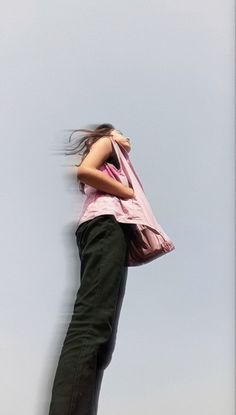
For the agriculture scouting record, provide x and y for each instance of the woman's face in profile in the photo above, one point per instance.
(121, 139)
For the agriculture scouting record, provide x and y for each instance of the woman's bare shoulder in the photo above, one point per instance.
(98, 153)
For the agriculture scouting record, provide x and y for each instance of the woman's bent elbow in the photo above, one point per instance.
(80, 172)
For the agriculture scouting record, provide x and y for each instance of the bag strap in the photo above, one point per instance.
(117, 151)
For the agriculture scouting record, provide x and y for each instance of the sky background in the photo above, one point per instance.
(163, 73)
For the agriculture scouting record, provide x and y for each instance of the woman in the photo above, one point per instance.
(116, 229)
(103, 246)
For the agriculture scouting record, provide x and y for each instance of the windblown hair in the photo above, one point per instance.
(84, 143)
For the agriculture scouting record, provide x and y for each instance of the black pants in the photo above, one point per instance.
(91, 335)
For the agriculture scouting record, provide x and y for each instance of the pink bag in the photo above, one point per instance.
(147, 239)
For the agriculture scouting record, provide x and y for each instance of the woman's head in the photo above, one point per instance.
(92, 135)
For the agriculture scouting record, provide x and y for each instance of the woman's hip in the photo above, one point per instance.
(102, 235)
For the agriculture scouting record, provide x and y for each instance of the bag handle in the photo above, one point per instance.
(116, 147)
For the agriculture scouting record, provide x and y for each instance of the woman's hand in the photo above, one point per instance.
(130, 192)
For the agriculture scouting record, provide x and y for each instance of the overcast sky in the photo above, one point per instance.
(163, 73)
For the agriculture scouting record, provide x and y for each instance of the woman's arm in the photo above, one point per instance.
(88, 172)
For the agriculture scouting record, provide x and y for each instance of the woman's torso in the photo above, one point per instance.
(98, 202)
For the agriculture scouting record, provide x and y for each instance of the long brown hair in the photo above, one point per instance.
(84, 143)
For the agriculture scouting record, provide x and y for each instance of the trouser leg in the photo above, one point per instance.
(107, 349)
(89, 341)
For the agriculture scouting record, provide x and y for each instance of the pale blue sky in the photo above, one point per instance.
(163, 73)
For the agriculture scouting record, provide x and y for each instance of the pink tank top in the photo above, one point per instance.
(148, 239)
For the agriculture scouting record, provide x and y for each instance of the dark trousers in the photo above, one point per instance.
(91, 335)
